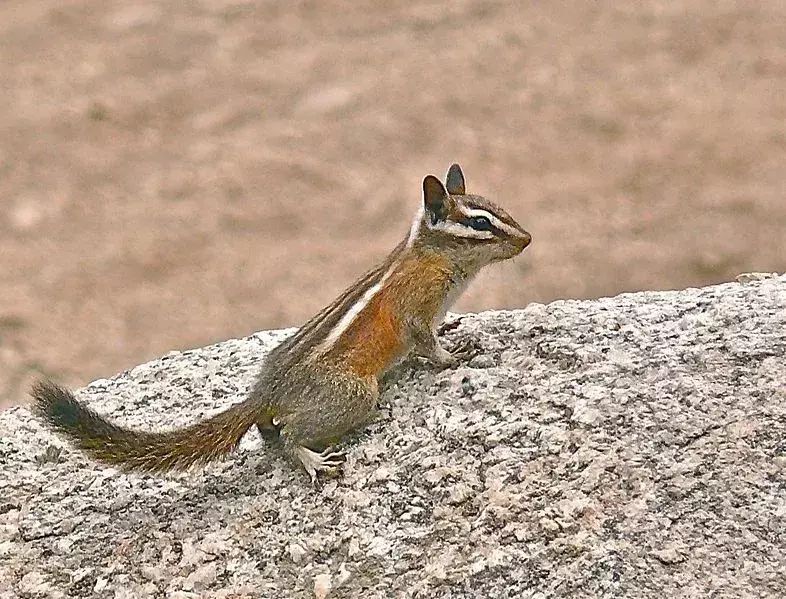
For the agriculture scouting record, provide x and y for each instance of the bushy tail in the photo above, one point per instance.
(153, 452)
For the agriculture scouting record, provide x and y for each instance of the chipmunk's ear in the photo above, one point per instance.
(435, 199)
(455, 180)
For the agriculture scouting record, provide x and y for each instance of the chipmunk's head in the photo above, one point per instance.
(473, 230)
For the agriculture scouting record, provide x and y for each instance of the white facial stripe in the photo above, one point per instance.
(460, 230)
(477, 212)
(470, 212)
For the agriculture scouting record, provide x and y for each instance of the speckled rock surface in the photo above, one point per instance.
(627, 447)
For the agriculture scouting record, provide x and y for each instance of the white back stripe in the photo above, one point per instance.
(352, 313)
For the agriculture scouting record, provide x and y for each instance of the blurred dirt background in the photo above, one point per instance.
(174, 173)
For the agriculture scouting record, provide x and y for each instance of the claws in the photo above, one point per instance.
(466, 350)
(314, 462)
(331, 458)
(442, 358)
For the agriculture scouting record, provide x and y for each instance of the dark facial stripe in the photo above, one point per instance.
(495, 210)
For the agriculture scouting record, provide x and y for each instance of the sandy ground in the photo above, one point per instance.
(173, 173)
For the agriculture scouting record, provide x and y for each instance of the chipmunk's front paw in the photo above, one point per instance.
(466, 350)
(442, 358)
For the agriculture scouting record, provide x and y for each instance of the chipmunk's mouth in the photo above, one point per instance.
(513, 247)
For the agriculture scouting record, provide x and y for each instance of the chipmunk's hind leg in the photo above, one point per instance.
(321, 415)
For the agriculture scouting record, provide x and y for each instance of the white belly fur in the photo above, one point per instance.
(451, 298)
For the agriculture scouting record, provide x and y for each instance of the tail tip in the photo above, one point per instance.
(55, 404)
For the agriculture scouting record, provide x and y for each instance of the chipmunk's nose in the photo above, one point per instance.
(523, 240)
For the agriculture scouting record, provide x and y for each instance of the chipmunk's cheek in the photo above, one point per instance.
(514, 247)
(506, 251)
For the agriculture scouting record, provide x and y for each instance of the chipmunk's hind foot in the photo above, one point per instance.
(327, 461)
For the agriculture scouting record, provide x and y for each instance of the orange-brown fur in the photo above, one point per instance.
(378, 335)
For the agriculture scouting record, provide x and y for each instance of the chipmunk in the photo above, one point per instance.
(323, 381)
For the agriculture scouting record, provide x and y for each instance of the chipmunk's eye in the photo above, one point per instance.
(479, 223)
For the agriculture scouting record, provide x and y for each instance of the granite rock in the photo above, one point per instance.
(625, 447)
